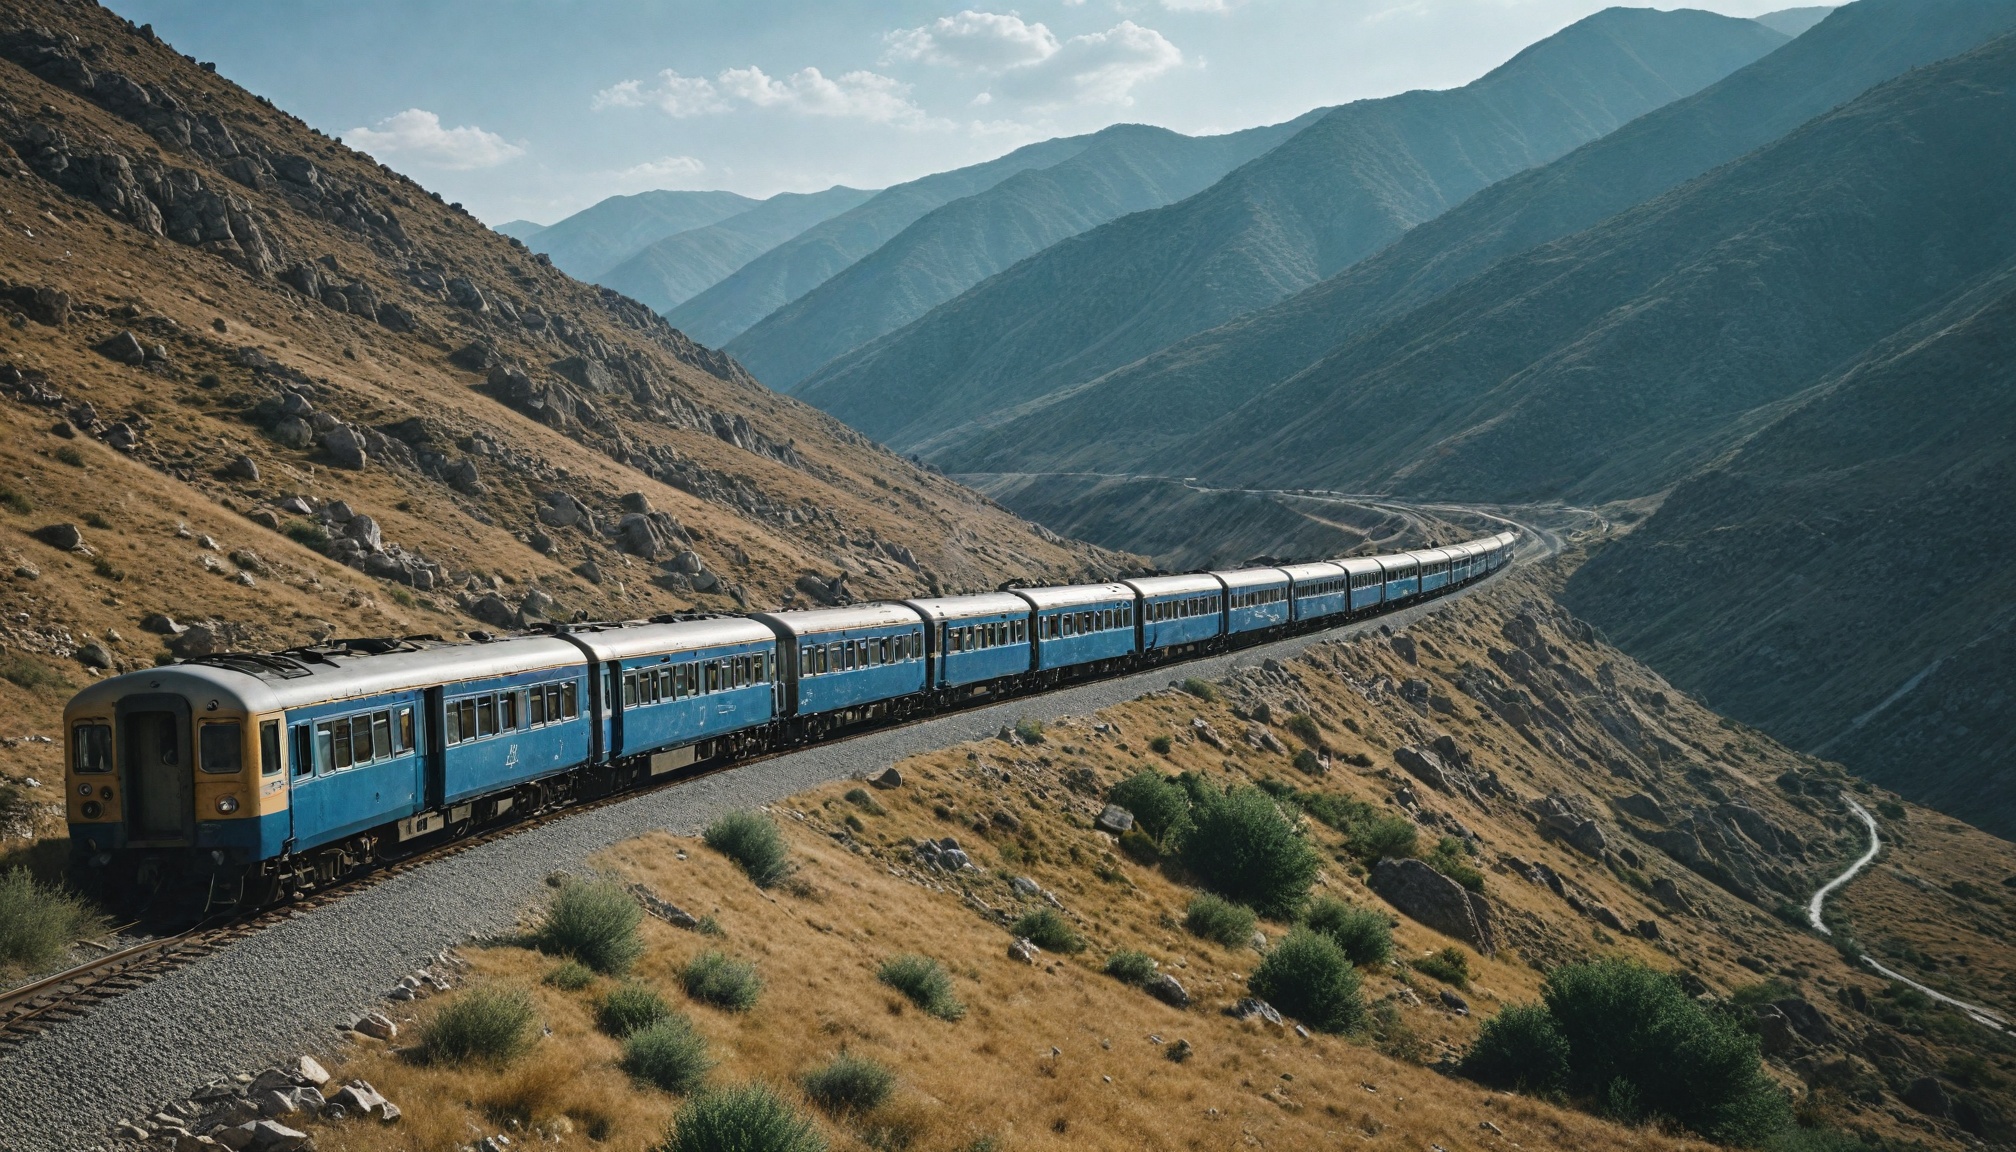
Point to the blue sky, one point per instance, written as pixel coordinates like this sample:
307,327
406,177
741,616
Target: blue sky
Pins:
538,108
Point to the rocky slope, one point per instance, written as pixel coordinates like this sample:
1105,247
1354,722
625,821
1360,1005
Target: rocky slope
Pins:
254,381
674,270
1343,188
1174,392
804,262
1123,169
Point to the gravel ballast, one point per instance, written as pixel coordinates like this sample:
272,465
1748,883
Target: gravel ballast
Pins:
284,991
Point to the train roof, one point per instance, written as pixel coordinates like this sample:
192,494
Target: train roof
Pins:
1430,556
1356,564
967,607
1396,563
814,621
1184,585
622,642
1073,595
1251,577
1315,570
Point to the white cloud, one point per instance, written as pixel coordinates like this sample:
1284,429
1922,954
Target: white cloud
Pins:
1198,5
1096,68
671,93
983,40
665,168
417,135
857,95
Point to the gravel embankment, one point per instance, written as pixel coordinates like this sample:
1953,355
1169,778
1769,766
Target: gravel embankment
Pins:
282,992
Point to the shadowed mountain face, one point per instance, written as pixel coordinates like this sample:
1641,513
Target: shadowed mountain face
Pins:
1127,168
1180,389
1344,187
681,266
593,240
1793,21
809,259
1880,503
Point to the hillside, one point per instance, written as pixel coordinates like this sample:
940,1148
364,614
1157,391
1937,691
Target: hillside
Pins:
595,239
674,270
1341,189
1877,500
807,260
1126,168
1694,829
1180,389
256,383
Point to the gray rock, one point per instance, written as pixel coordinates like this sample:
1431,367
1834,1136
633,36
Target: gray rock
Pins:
1927,1095
536,603
887,778
124,347
338,512
365,531
62,537
376,1025
346,446
1435,900
94,655
243,468
1024,886
1669,894
1403,646
1452,1000
1024,951
27,572
1115,819
1604,916
1249,1008
1424,765
1648,929
308,1070
265,517
1806,1020
162,624
1169,990
1583,834
295,505
294,432
561,510
634,502
585,372
1643,807
1775,1032
462,476
196,641
494,610
687,561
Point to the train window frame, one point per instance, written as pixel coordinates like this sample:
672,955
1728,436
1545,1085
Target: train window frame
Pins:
91,743
381,736
269,748
223,754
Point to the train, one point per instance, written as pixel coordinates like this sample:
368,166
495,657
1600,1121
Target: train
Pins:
259,775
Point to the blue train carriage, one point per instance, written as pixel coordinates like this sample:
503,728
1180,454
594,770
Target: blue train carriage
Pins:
847,665
975,643
1434,567
1081,627
1367,578
1178,612
1255,598
674,692
1317,590
1403,576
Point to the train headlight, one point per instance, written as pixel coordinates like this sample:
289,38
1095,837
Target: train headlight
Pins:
91,809
227,804
84,789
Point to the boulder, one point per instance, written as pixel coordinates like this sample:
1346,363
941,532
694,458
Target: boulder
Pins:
1403,646
462,477
1927,1095
196,641
1424,765
1774,1031
124,347
346,446
296,506
494,610
376,1025
558,509
265,518
475,356
1604,916
365,531
1024,951
585,372
1806,1020
1454,1002
62,537
1115,819
294,432
1583,834
1669,894
243,468
94,655
1435,900
162,624
1643,807
1249,1008
536,604
308,1070
1648,929
887,778
1169,990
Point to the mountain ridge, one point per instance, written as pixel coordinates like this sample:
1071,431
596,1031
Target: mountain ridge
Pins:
671,271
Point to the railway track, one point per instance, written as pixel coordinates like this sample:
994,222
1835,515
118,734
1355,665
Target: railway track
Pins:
28,1010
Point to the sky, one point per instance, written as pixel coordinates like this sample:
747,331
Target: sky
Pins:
538,108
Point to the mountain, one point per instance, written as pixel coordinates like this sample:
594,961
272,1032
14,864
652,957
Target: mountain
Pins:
1793,21
1123,169
523,230
1341,189
673,270
804,262
1177,391
596,239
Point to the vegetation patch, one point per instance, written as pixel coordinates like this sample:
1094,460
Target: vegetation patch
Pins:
1450,965
485,1025
1202,689
1219,920
1048,930
39,922
924,982
594,922
1029,729
668,1055
1131,966
1365,936
1159,804
754,843
572,976
723,981
1310,978
1306,729
26,672
630,1008
849,1084
1243,848
745,1118
1451,857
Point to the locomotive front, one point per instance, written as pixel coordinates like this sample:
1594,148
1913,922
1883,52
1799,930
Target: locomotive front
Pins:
175,771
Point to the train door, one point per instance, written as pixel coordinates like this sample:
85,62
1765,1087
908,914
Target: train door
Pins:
154,745
433,749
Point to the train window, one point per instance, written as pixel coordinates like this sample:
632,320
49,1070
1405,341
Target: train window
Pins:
221,747
509,714
570,704
269,747
467,709
629,689
536,707
486,715
713,676
330,752
304,750
91,748
403,737
451,726
381,736
360,739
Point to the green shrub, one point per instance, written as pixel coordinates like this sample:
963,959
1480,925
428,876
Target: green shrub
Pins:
1030,729
1309,977
1241,846
753,842
849,1083
1160,805
1382,837
1306,729
70,456
925,982
25,672
595,922
749,1118
1131,967
1048,930
571,976
1202,689
630,1008
1520,1048
1639,1045
1160,745
487,1024
1451,857
1215,918
1364,935
39,922
1140,847
106,570
14,501
1451,966
860,798
1307,763
718,979
668,1055
1339,812
97,520
307,534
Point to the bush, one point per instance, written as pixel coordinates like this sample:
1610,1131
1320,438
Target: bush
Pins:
1520,1048
1450,965
24,672
860,798
668,1055
1030,729
14,501
1241,847
849,1083
1218,919
1140,847
1364,935
1046,929
70,456
1160,745
487,1024
307,534
1202,689
749,1118
1642,1047
1159,804
1307,763
721,980
38,922
1310,978
1306,729
571,976
1382,837
630,1008
1131,967
753,842
1451,857
925,982
595,922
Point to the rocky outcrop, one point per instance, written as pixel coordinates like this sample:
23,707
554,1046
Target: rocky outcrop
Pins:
1435,900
